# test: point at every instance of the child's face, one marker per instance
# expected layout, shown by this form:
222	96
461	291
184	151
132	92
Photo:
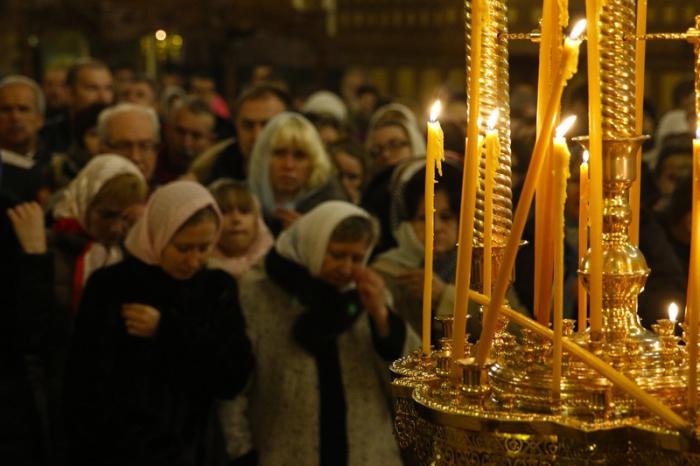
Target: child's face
240	227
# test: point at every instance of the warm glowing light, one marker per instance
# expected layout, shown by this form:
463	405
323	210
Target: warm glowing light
177	40
435	111
493	119
586	156
565	126
697	132
672	312
161	34
578	30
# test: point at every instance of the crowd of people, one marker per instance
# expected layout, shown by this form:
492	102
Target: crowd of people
192	283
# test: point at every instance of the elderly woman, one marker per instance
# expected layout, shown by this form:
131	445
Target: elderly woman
323	336
157	340
393	140
290	171
92	218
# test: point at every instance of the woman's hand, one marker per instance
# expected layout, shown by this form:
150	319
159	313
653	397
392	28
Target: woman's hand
140	320
28	222
370	287
412	281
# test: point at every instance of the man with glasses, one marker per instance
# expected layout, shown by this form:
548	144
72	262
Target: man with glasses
131	131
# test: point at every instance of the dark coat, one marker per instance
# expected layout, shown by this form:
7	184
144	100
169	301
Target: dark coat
25	301
149	401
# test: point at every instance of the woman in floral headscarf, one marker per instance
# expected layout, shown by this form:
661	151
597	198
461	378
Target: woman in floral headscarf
157	340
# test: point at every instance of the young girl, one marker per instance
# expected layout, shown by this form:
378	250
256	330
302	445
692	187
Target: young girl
245	239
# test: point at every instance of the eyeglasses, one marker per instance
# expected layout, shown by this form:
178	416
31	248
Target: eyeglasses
392	146
132	146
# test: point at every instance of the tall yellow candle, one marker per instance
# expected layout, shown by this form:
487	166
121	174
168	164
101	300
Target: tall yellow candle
595	126
636	188
582	239
549	56
564	73
435	154
561	175
694	275
471	174
493	150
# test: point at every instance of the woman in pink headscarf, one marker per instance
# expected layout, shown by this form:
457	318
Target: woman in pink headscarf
157	340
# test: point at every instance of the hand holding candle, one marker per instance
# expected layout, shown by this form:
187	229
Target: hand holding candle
434	156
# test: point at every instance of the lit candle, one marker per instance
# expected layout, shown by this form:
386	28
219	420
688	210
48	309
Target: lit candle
544	138
493	150
673	312
636	188
582	239
595	126
694	283
471	174
434	156
561	175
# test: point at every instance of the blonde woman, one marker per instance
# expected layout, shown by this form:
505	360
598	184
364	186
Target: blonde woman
290	171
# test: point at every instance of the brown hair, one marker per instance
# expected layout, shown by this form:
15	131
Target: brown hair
122	190
355	229
232	195
205	214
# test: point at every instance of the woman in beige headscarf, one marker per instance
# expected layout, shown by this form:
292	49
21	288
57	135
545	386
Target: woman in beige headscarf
158	339
92	218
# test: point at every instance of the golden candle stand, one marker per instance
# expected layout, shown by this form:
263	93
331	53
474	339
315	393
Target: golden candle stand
505	412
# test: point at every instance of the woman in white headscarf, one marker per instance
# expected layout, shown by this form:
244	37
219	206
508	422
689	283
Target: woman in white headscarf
158	339
402	266
393	140
92	218
323	336
290	171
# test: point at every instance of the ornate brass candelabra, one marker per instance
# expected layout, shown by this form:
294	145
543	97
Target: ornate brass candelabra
506	412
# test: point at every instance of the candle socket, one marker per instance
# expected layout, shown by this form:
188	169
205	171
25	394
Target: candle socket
664	327
671	354
474	378
625	270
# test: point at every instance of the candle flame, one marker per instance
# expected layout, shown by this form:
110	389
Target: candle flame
586	156
493	119
435	111
672	312
578	30
565	126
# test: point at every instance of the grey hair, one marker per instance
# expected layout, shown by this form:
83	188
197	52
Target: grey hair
106	116
39	100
